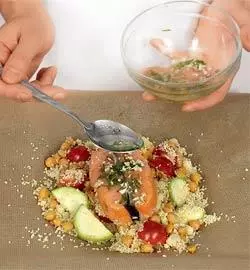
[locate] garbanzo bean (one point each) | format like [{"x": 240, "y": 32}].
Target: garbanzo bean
[
  {"x": 192, "y": 249},
  {"x": 67, "y": 226},
  {"x": 181, "y": 172},
  {"x": 50, "y": 162},
  {"x": 43, "y": 194},
  {"x": 192, "y": 186},
  {"x": 127, "y": 240},
  {"x": 170, "y": 228},
  {"x": 50, "y": 215},
  {"x": 57, "y": 222},
  {"x": 63, "y": 162},
  {"x": 57, "y": 158},
  {"x": 53, "y": 203},
  {"x": 168, "y": 208},
  {"x": 62, "y": 153},
  {"x": 195, "y": 224},
  {"x": 196, "y": 178},
  {"x": 147, "y": 248},
  {"x": 171, "y": 218},
  {"x": 182, "y": 233}
]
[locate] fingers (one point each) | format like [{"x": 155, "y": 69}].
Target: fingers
[
  {"x": 34, "y": 66},
  {"x": 245, "y": 36},
  {"x": 209, "y": 101},
  {"x": 4, "y": 53},
  {"x": 148, "y": 97},
  {"x": 47, "y": 76},
  {"x": 8, "y": 42},
  {"x": 18, "y": 64},
  {"x": 16, "y": 92},
  {"x": 45, "y": 80}
]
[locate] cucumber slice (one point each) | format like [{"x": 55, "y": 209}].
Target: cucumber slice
[
  {"x": 187, "y": 213},
  {"x": 89, "y": 228},
  {"x": 70, "y": 198},
  {"x": 178, "y": 191}
]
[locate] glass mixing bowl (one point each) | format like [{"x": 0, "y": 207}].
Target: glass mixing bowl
[{"x": 181, "y": 50}]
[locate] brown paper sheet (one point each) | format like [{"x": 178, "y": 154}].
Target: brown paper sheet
[{"x": 218, "y": 138}]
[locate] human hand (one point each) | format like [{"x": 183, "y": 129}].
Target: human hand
[
  {"x": 240, "y": 11},
  {"x": 25, "y": 38},
  {"x": 44, "y": 80}
]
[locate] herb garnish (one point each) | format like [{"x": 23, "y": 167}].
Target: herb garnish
[
  {"x": 166, "y": 30},
  {"x": 116, "y": 175},
  {"x": 195, "y": 63}
]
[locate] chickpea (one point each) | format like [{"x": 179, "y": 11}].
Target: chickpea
[
  {"x": 53, "y": 203},
  {"x": 57, "y": 222},
  {"x": 43, "y": 194},
  {"x": 62, "y": 153},
  {"x": 63, "y": 162},
  {"x": 147, "y": 248},
  {"x": 181, "y": 172},
  {"x": 195, "y": 224},
  {"x": 156, "y": 218},
  {"x": 65, "y": 146},
  {"x": 57, "y": 158},
  {"x": 196, "y": 178},
  {"x": 127, "y": 240},
  {"x": 179, "y": 161},
  {"x": 50, "y": 162},
  {"x": 168, "y": 208},
  {"x": 173, "y": 142},
  {"x": 170, "y": 228},
  {"x": 192, "y": 249},
  {"x": 171, "y": 218},
  {"x": 70, "y": 141},
  {"x": 50, "y": 215},
  {"x": 182, "y": 233},
  {"x": 192, "y": 186},
  {"x": 67, "y": 226}
]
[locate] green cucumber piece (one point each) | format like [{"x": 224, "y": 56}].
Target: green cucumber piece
[
  {"x": 89, "y": 228},
  {"x": 178, "y": 191},
  {"x": 187, "y": 213},
  {"x": 70, "y": 198}
]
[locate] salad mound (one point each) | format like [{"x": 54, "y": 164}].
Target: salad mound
[{"x": 145, "y": 201}]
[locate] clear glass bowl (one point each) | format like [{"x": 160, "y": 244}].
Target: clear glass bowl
[{"x": 181, "y": 50}]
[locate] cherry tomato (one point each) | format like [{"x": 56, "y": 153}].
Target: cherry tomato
[
  {"x": 153, "y": 233},
  {"x": 158, "y": 151},
  {"x": 164, "y": 165},
  {"x": 70, "y": 182},
  {"x": 78, "y": 153}
]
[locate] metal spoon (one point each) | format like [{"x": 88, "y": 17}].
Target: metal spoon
[{"x": 109, "y": 135}]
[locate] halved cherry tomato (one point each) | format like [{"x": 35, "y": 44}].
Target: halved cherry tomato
[
  {"x": 153, "y": 233},
  {"x": 158, "y": 151},
  {"x": 164, "y": 165},
  {"x": 78, "y": 153},
  {"x": 70, "y": 182}
]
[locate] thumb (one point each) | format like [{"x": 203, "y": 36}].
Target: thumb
[
  {"x": 245, "y": 36},
  {"x": 19, "y": 62}
]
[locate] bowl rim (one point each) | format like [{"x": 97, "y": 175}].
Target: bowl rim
[{"x": 234, "y": 60}]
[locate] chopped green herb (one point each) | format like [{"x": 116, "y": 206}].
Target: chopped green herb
[
  {"x": 166, "y": 30},
  {"x": 195, "y": 63},
  {"x": 115, "y": 176},
  {"x": 163, "y": 77}
]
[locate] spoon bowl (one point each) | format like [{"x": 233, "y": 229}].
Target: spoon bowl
[{"x": 114, "y": 136}]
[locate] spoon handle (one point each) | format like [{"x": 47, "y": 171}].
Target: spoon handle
[{"x": 38, "y": 94}]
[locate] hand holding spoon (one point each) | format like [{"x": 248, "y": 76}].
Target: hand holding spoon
[{"x": 109, "y": 135}]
